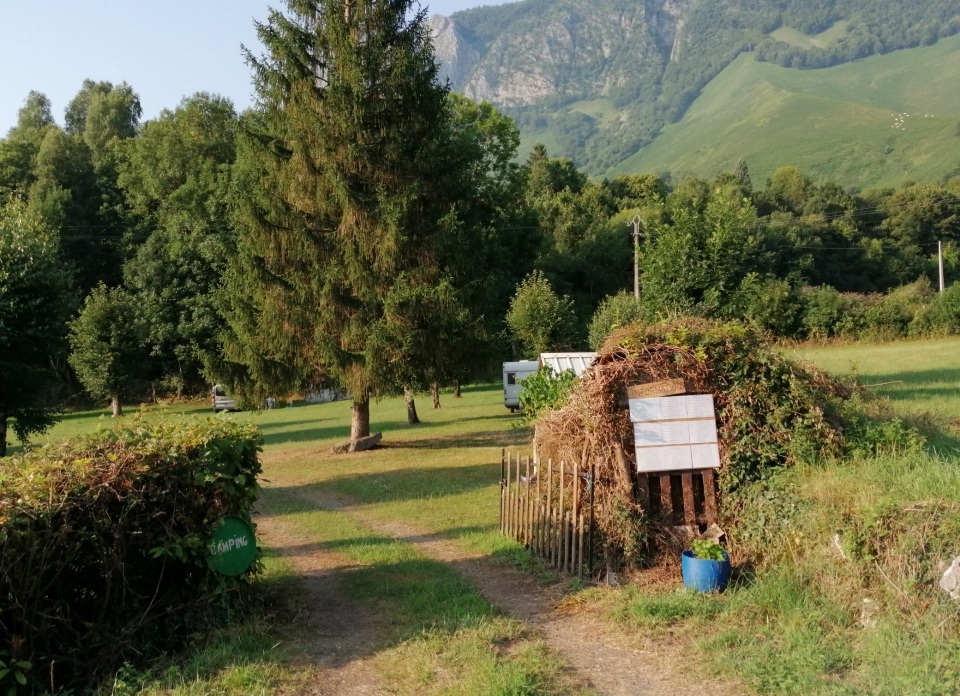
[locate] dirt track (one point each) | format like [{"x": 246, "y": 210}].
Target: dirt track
[{"x": 346, "y": 635}]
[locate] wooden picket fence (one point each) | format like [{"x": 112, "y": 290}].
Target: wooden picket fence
[{"x": 549, "y": 509}]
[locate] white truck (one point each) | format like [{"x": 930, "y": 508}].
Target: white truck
[{"x": 222, "y": 402}]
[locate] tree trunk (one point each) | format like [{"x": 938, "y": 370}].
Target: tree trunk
[
  {"x": 435, "y": 393},
  {"x": 116, "y": 406},
  {"x": 412, "y": 418},
  {"x": 456, "y": 389},
  {"x": 3, "y": 434},
  {"x": 360, "y": 423}
]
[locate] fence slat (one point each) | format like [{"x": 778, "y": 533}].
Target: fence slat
[
  {"x": 503, "y": 456},
  {"x": 560, "y": 518},
  {"x": 580, "y": 545},
  {"x": 513, "y": 502}
]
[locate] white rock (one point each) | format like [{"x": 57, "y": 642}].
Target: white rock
[{"x": 950, "y": 582}]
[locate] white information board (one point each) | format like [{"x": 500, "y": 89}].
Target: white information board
[{"x": 673, "y": 433}]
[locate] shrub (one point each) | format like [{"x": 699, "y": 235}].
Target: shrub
[
  {"x": 942, "y": 316},
  {"x": 544, "y": 389},
  {"x": 614, "y": 311},
  {"x": 103, "y": 542},
  {"x": 889, "y": 316},
  {"x": 823, "y": 310},
  {"x": 771, "y": 303}
]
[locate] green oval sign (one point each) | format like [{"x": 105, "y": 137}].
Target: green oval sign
[{"x": 232, "y": 547}]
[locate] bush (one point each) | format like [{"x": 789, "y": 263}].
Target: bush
[
  {"x": 942, "y": 316},
  {"x": 771, "y": 303},
  {"x": 544, "y": 389},
  {"x": 103, "y": 542},
  {"x": 614, "y": 311},
  {"x": 823, "y": 310},
  {"x": 889, "y": 316}
]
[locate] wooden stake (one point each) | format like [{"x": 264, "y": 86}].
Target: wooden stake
[{"x": 689, "y": 513}]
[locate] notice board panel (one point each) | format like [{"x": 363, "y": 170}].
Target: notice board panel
[{"x": 675, "y": 433}]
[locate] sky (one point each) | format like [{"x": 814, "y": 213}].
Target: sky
[{"x": 164, "y": 49}]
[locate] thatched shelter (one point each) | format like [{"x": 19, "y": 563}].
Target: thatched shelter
[{"x": 770, "y": 411}]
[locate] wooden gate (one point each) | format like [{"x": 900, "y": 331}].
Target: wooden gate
[{"x": 549, "y": 509}]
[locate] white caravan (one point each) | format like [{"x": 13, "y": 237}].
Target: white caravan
[{"x": 513, "y": 374}]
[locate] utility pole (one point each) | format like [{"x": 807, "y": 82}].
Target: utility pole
[
  {"x": 636, "y": 222},
  {"x": 940, "y": 262}
]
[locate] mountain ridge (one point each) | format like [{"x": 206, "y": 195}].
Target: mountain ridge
[{"x": 600, "y": 79}]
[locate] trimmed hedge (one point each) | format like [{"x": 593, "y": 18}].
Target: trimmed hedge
[{"x": 102, "y": 543}]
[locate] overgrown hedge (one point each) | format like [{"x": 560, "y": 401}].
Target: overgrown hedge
[
  {"x": 772, "y": 413},
  {"x": 102, "y": 544},
  {"x": 915, "y": 310}
]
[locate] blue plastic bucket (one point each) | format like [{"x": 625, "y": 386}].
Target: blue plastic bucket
[{"x": 704, "y": 575}]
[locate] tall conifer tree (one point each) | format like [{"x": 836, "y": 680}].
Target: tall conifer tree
[{"x": 355, "y": 189}]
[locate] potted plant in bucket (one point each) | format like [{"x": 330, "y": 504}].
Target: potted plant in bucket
[{"x": 705, "y": 566}]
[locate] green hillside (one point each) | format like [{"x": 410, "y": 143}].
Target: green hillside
[{"x": 842, "y": 123}]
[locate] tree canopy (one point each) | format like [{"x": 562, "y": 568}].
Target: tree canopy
[
  {"x": 355, "y": 190},
  {"x": 34, "y": 304}
]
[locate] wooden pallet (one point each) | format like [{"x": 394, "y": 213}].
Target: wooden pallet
[{"x": 680, "y": 497}]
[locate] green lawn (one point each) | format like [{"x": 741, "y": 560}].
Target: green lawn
[
  {"x": 921, "y": 379},
  {"x": 793, "y": 628}
]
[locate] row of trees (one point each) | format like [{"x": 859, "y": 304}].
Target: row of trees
[{"x": 362, "y": 226}]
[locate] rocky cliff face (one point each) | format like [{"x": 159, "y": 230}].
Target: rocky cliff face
[
  {"x": 456, "y": 56},
  {"x": 604, "y": 44}
]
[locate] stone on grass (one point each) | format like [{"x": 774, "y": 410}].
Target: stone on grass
[{"x": 950, "y": 582}]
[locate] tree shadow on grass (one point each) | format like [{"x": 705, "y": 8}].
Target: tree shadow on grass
[
  {"x": 903, "y": 385},
  {"x": 487, "y": 438},
  {"x": 308, "y": 434},
  {"x": 342, "y": 545},
  {"x": 388, "y": 486}
]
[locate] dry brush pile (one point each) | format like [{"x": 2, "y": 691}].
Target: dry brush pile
[{"x": 771, "y": 412}]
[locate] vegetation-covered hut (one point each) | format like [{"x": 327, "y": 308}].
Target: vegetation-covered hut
[{"x": 770, "y": 411}]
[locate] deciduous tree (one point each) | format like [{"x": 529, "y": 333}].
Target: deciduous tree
[
  {"x": 107, "y": 345},
  {"x": 34, "y": 304}
]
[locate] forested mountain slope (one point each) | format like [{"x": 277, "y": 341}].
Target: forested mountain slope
[
  {"x": 598, "y": 80},
  {"x": 880, "y": 121}
]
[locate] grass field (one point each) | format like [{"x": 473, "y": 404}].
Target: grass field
[
  {"x": 837, "y": 124},
  {"x": 824, "y": 39},
  {"x": 797, "y": 627}
]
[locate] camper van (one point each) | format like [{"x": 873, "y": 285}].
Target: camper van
[
  {"x": 222, "y": 402},
  {"x": 513, "y": 374}
]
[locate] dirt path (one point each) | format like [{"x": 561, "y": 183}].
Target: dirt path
[
  {"x": 608, "y": 661},
  {"x": 342, "y": 634}
]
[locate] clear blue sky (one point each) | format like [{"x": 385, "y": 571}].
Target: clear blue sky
[{"x": 165, "y": 49}]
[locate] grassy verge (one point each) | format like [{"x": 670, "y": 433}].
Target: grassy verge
[{"x": 256, "y": 653}]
